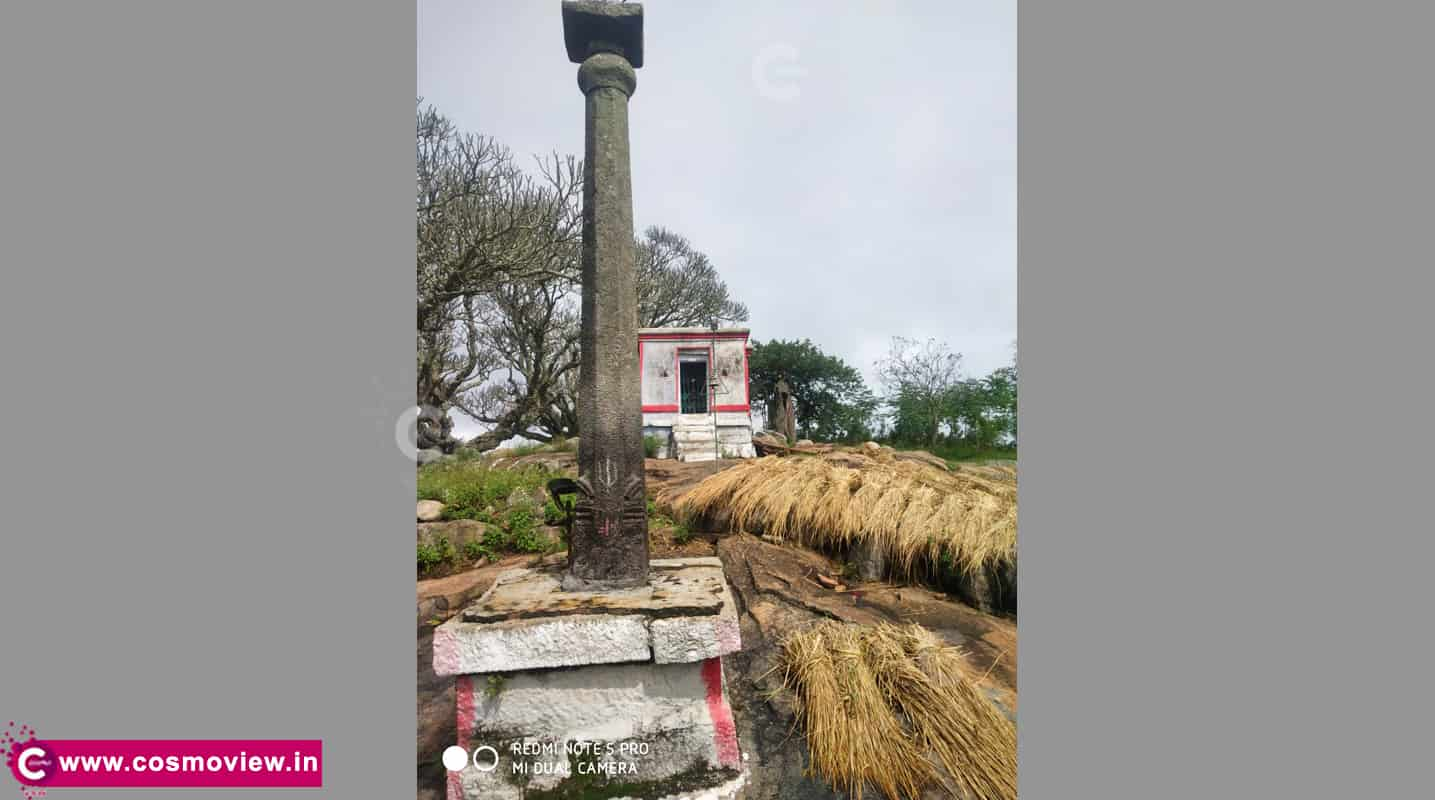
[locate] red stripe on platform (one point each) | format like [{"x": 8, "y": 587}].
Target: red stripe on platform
[
  {"x": 464, "y": 719},
  {"x": 724, "y": 731}
]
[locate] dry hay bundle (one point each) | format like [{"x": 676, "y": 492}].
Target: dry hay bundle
[
  {"x": 911, "y": 511},
  {"x": 888, "y": 705}
]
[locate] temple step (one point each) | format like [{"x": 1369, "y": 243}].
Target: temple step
[{"x": 695, "y": 438}]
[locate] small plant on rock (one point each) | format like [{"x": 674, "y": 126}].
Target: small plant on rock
[
  {"x": 552, "y": 514},
  {"x": 523, "y": 532},
  {"x": 437, "y": 551},
  {"x": 495, "y": 685},
  {"x": 681, "y": 534},
  {"x": 473, "y": 550}
]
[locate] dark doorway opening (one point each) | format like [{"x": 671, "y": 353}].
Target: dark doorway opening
[{"x": 693, "y": 377}]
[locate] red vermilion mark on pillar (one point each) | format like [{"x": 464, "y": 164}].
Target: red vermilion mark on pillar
[
  {"x": 464, "y": 720},
  {"x": 724, "y": 731}
]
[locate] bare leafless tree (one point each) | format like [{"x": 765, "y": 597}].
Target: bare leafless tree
[
  {"x": 482, "y": 223},
  {"x": 498, "y": 255},
  {"x": 678, "y": 286},
  {"x": 534, "y": 337}
]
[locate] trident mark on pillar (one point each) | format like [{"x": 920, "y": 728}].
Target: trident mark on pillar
[{"x": 607, "y": 476}]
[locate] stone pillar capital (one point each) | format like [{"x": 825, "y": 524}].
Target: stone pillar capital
[
  {"x": 593, "y": 26},
  {"x": 605, "y": 70}
]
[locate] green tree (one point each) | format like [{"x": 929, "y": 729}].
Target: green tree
[
  {"x": 982, "y": 411},
  {"x": 922, "y": 380},
  {"x": 1001, "y": 399},
  {"x": 832, "y": 401}
]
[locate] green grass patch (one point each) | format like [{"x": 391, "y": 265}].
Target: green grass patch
[
  {"x": 681, "y": 534},
  {"x": 469, "y": 488},
  {"x": 473, "y": 550},
  {"x": 523, "y": 533},
  {"x": 432, "y": 554},
  {"x": 552, "y": 514}
]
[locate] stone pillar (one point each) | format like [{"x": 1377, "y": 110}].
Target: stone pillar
[
  {"x": 608, "y": 545},
  {"x": 553, "y": 661}
]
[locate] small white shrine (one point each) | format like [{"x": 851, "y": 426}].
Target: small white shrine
[{"x": 695, "y": 392}]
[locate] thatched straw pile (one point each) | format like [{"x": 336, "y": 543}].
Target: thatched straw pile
[
  {"x": 912, "y": 512},
  {"x": 889, "y": 707}
]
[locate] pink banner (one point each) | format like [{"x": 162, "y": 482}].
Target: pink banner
[{"x": 158, "y": 763}]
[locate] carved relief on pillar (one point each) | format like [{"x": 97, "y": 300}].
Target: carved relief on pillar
[{"x": 602, "y": 510}]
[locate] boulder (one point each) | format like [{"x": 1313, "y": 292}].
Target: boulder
[
  {"x": 442, "y": 597},
  {"x": 871, "y": 447},
  {"x": 870, "y": 559},
  {"x": 802, "y": 442},
  {"x": 768, "y": 442},
  {"x": 429, "y": 456},
  {"x": 430, "y": 511},
  {"x": 458, "y": 532},
  {"x": 923, "y": 457}
]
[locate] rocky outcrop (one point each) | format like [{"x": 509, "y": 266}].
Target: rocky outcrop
[{"x": 922, "y": 457}]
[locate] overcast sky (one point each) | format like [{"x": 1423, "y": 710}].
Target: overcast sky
[{"x": 849, "y": 167}]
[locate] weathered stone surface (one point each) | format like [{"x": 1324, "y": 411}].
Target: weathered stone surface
[
  {"x": 442, "y": 597},
  {"x": 871, "y": 560},
  {"x": 430, "y": 510},
  {"x": 677, "y": 588},
  {"x": 590, "y": 27},
  {"x": 608, "y": 545},
  {"x": 461, "y": 647},
  {"x": 678, "y": 712},
  {"x": 687, "y": 639},
  {"x": 527, "y": 621},
  {"x": 428, "y": 456},
  {"x": 458, "y": 532}
]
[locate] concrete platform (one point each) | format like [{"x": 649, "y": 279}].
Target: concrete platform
[
  {"x": 600, "y": 694},
  {"x": 527, "y": 621},
  {"x": 618, "y": 730}
]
